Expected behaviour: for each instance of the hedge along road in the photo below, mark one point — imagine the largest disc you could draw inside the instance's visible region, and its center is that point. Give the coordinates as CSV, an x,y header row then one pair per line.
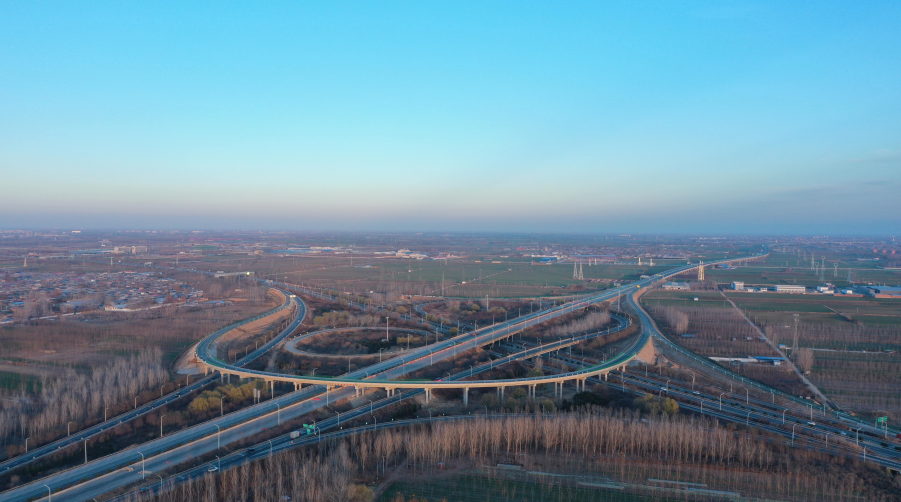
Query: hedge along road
x,y
36,454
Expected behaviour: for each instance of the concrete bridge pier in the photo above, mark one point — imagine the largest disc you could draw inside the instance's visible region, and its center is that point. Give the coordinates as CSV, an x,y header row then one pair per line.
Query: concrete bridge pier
x,y
428,395
605,376
466,396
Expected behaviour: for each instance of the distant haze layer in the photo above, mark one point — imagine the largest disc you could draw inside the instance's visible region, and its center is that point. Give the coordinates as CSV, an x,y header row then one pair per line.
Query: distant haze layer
x,y
658,116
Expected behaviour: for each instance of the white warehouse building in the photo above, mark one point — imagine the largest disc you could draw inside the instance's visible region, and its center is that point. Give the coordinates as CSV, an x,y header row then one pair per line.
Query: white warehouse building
x,y
790,288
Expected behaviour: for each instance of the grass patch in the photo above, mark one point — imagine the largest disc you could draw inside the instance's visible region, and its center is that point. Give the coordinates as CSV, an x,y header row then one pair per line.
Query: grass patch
x,y
16,381
470,488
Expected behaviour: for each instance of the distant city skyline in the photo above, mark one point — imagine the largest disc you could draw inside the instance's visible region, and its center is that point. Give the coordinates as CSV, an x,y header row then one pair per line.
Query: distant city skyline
x,y
727,117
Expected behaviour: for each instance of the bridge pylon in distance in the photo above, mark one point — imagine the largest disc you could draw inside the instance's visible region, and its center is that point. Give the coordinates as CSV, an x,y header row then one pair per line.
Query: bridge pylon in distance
x,y
701,272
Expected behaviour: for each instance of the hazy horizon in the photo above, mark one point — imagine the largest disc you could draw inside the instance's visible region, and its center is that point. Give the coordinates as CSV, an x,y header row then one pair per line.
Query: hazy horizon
x,y
734,117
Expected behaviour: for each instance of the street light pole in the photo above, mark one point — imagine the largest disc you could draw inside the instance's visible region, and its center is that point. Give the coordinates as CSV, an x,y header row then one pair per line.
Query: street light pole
x,y
278,415
218,436
161,424
49,493
143,470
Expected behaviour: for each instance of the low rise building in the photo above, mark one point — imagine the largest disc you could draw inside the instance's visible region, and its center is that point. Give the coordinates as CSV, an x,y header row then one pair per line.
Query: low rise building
x,y
884,291
790,288
677,286
738,285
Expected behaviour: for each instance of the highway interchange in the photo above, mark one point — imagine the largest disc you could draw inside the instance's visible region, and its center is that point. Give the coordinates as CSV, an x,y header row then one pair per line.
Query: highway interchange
x,y
135,464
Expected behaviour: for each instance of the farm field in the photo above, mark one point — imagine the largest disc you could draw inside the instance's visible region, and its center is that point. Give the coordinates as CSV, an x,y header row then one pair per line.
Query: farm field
x,y
856,362
475,488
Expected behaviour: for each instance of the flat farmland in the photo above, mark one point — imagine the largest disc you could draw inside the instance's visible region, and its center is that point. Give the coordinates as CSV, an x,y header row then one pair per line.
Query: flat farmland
x,y
455,278
864,309
866,383
706,299
854,358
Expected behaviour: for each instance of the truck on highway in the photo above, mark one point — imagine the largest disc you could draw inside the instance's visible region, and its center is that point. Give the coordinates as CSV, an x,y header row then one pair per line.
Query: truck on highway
x,y
295,434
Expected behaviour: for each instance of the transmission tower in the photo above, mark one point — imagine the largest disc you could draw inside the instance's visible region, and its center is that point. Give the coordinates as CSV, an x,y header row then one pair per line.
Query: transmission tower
x,y
701,272
575,270
580,271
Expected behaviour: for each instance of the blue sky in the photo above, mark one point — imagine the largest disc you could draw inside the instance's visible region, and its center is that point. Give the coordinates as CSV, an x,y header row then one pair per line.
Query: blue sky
x,y
712,116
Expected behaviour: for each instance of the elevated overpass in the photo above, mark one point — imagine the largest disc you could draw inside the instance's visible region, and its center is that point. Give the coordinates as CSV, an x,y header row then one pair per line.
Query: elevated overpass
x,y
385,375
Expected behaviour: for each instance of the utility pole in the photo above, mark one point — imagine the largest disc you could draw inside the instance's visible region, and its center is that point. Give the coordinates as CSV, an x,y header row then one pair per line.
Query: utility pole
x,y
795,339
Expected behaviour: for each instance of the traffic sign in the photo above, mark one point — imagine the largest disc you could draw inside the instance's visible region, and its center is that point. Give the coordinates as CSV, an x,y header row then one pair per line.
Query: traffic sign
x,y
881,419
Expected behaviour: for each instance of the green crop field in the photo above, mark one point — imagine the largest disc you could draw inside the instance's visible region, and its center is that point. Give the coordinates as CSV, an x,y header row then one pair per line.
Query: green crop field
x,y
468,488
17,381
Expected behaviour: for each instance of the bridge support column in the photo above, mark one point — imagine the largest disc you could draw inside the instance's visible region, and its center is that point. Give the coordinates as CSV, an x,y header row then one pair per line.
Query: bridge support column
x,y
502,393
466,396
605,377
271,389
228,378
428,395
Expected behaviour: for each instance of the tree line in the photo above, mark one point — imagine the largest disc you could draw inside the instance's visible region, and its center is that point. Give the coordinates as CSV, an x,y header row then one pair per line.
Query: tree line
x,y
620,443
78,397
